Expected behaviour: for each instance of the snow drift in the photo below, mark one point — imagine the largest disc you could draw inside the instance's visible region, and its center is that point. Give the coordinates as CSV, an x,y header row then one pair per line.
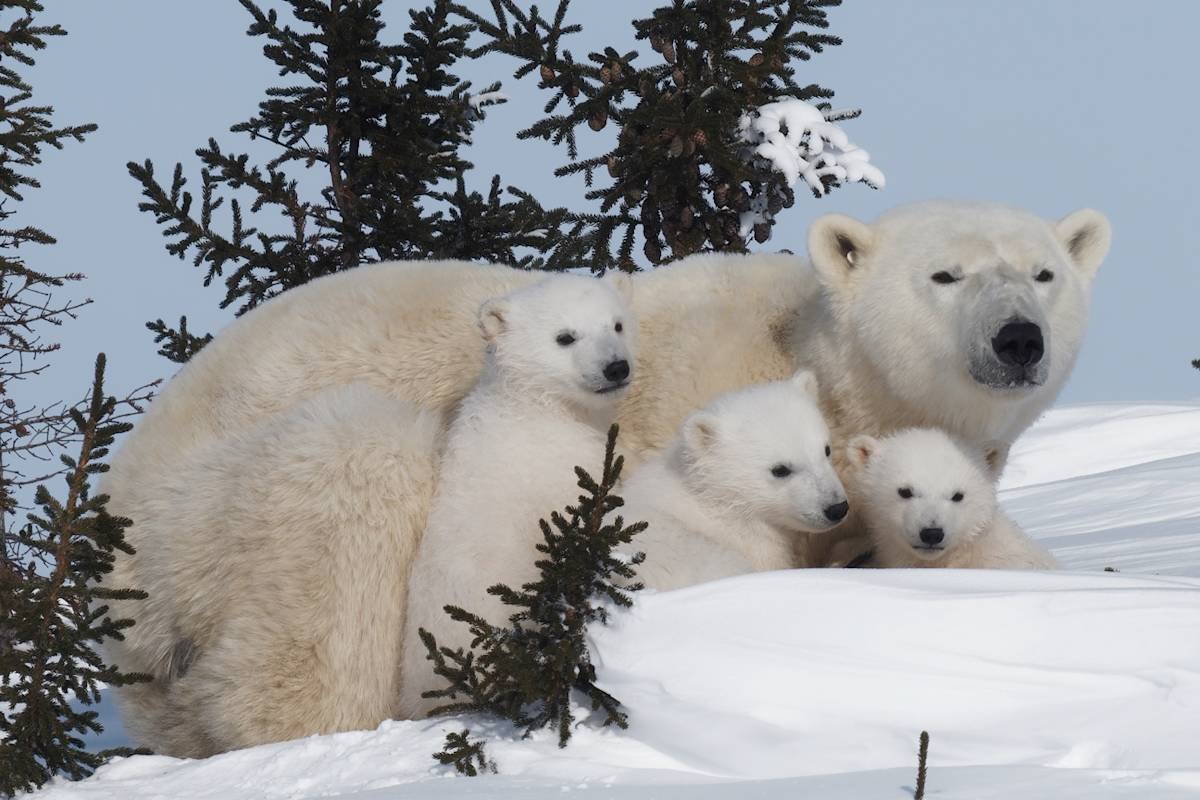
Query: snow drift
x,y
1079,684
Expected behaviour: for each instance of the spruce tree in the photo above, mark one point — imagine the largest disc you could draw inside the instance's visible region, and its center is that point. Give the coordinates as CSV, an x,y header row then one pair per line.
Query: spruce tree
x,y
51,563
528,670
57,617
685,172
382,125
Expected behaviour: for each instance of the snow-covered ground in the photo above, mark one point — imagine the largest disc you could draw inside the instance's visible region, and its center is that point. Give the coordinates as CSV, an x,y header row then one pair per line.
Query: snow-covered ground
x,y
1076,685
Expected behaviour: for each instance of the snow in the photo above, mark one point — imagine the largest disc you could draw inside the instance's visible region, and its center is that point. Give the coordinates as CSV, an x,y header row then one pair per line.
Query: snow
x,y
484,99
801,141
816,683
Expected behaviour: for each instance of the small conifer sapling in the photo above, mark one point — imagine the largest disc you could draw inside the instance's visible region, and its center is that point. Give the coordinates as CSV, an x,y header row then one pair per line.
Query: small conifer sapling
x,y
466,756
527,671
59,616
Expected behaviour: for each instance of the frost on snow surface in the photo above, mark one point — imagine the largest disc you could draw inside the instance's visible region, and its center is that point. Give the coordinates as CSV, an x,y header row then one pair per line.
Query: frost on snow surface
x,y
1075,685
801,141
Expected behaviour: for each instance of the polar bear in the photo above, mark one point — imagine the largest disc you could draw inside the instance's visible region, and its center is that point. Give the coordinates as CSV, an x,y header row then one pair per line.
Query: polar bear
x,y
927,502
730,493
963,316
558,361
282,573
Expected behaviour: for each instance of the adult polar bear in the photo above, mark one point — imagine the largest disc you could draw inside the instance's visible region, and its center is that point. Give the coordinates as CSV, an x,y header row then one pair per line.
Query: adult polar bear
x,y
966,317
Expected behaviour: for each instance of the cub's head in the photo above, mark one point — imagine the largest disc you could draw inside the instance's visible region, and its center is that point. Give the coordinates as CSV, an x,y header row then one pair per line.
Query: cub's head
x,y
764,452
568,336
981,301
921,490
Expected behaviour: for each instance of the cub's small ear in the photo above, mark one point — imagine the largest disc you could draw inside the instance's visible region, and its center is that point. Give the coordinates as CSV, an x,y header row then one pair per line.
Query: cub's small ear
x,y
836,246
861,449
700,431
493,319
1086,235
806,382
995,456
622,282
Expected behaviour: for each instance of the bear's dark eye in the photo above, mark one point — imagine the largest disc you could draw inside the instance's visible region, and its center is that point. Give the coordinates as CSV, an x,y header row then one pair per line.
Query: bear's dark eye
x,y
828,451
958,497
904,492
944,277
1045,276
781,470
618,327
565,339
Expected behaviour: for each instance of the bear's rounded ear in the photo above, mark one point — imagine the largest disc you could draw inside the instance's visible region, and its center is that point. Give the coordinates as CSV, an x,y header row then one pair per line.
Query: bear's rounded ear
x,y
836,245
806,382
700,431
1086,235
995,456
493,318
622,282
861,449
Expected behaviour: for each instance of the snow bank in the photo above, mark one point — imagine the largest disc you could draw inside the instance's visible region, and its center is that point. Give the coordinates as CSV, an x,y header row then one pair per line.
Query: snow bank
x,y
1071,686
1112,485
835,671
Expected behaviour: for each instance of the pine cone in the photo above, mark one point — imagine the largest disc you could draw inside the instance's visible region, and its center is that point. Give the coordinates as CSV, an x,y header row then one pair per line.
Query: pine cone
x,y
652,251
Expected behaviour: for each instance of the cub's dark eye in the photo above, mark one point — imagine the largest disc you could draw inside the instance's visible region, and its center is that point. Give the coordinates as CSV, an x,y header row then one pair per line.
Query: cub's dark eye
x,y
565,339
904,492
828,451
618,327
781,470
958,497
944,277
1045,276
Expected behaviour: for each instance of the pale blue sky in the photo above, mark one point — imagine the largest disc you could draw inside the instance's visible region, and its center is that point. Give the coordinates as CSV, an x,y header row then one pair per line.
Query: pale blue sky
x,y
1045,105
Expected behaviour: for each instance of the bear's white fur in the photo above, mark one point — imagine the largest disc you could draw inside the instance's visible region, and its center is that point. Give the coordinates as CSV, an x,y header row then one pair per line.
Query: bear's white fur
x,y
928,502
558,360
730,494
890,348
279,585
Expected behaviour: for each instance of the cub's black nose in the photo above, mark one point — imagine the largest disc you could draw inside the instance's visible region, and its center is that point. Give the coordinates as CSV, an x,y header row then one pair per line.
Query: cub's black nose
x,y
1019,344
932,535
617,371
836,513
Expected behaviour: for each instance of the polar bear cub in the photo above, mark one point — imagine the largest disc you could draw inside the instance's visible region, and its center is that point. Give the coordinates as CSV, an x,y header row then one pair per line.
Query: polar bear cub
x,y
559,357
929,503
736,491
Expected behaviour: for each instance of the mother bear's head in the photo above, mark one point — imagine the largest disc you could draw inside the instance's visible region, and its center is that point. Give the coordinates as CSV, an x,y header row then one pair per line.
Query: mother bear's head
x,y
976,301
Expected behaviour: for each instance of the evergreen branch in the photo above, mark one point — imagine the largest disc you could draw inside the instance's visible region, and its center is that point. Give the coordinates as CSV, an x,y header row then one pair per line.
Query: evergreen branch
x,y
527,671
922,755
54,621
467,757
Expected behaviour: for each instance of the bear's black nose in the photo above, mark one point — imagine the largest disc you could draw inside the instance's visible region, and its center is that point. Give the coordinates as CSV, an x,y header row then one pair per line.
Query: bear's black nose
x,y
1019,343
836,513
932,536
617,371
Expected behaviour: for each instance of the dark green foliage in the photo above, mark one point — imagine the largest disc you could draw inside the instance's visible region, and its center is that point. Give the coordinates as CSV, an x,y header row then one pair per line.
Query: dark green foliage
x,y
467,757
525,672
382,125
180,344
678,173
56,617
922,755
52,613
1196,363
